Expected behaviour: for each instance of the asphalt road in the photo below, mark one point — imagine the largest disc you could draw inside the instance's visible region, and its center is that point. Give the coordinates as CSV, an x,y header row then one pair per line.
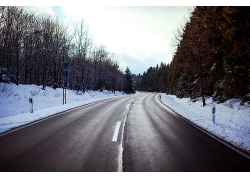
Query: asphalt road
x,y
134,133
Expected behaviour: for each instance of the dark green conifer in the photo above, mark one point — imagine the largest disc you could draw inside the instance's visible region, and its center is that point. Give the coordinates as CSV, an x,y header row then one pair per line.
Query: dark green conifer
x,y
128,82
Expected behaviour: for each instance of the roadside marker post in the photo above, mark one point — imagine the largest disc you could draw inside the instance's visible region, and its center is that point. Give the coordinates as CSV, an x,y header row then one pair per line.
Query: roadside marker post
x,y
213,113
31,104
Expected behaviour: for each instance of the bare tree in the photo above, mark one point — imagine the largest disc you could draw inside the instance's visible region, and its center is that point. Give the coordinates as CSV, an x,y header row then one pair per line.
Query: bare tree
x,y
82,44
33,48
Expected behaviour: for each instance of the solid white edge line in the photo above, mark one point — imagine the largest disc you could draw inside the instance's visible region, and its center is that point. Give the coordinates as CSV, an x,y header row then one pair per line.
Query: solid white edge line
x,y
116,131
207,132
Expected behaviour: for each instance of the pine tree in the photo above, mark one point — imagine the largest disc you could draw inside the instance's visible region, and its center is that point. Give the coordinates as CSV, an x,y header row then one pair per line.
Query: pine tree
x,y
128,82
235,31
212,55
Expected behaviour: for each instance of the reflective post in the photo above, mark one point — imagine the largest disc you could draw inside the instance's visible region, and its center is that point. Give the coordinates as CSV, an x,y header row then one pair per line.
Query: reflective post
x,y
31,104
213,113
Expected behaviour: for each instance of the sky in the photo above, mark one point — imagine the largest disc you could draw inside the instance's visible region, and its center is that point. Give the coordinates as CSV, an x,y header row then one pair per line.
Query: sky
x,y
139,34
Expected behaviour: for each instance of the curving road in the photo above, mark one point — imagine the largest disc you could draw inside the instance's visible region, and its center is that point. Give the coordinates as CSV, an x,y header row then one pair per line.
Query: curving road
x,y
132,133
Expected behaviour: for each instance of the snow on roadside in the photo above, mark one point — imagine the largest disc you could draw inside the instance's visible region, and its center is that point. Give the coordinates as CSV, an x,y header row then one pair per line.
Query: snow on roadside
x,y
15,106
232,122
232,119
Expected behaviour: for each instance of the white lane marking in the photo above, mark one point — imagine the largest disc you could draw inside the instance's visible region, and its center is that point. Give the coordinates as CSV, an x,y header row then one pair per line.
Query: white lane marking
x,y
116,131
120,146
120,168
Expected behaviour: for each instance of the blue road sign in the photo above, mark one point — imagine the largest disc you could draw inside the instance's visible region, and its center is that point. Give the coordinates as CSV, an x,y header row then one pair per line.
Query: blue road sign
x,y
65,75
65,64
65,84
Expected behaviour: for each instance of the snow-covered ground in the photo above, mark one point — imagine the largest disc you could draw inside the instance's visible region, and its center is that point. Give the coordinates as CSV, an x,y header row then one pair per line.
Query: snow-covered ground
x,y
232,121
15,106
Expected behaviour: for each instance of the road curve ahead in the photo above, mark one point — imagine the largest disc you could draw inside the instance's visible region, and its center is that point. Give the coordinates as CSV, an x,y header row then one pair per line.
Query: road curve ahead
x,y
132,133
157,139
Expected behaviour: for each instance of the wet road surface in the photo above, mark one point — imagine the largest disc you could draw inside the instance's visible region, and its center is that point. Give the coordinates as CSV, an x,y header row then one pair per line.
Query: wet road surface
x,y
132,133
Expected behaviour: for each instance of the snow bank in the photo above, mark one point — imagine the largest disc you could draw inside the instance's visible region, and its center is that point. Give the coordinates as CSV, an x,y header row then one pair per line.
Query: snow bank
x,y
15,106
232,121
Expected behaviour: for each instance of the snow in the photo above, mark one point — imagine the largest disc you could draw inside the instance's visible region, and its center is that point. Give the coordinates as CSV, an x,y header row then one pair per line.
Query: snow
x,y
15,106
232,120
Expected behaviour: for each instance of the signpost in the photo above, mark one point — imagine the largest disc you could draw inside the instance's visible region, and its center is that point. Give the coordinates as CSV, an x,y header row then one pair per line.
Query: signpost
x,y
65,79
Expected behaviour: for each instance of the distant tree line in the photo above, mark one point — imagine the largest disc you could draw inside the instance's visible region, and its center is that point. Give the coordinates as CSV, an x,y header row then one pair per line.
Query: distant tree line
x,y
153,80
32,49
212,57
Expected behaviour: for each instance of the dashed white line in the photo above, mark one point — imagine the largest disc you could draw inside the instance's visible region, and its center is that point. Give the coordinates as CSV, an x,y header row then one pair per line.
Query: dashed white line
x,y
120,146
120,168
116,131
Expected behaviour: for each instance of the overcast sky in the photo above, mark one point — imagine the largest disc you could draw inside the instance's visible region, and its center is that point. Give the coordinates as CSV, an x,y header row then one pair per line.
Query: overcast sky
x,y
139,35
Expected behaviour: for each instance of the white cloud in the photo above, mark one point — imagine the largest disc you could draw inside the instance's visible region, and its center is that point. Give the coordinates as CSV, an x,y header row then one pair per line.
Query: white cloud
x,y
38,10
139,32
143,33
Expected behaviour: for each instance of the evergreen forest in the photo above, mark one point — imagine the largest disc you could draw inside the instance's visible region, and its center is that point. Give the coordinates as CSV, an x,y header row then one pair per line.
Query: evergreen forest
x,y
212,57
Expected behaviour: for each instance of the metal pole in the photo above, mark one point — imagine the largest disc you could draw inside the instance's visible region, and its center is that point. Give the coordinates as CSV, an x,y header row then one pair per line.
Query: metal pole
x,y
64,96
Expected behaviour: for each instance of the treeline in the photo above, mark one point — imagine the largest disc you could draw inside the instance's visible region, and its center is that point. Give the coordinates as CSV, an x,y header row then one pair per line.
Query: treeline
x,y
153,80
33,48
212,56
